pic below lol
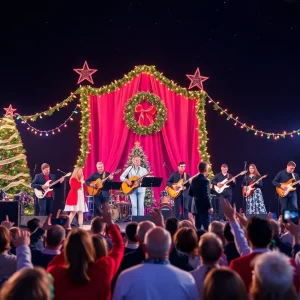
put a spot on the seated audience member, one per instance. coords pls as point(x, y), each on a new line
point(272, 277)
point(224, 284)
point(28, 284)
point(100, 245)
point(186, 240)
point(229, 249)
point(53, 241)
point(156, 278)
point(36, 233)
point(98, 227)
point(210, 251)
point(76, 271)
point(131, 241)
point(9, 263)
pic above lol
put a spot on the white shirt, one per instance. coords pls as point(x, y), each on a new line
point(155, 281)
point(132, 171)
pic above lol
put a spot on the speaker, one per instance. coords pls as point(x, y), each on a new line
point(10, 209)
point(141, 218)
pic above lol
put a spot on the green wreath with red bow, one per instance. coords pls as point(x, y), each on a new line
point(156, 113)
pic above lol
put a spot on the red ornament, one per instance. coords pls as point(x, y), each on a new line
point(149, 112)
point(7, 137)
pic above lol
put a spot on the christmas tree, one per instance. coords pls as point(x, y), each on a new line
point(137, 150)
point(14, 173)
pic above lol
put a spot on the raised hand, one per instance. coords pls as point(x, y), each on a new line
point(157, 217)
point(7, 223)
point(22, 238)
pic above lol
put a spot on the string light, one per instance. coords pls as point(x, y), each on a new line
point(51, 131)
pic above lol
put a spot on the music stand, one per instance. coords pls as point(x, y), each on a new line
point(113, 185)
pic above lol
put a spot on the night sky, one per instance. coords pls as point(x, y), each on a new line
point(248, 49)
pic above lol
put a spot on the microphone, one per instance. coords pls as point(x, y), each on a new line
point(61, 171)
point(34, 169)
point(245, 165)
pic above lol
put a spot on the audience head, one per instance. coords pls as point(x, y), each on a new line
point(14, 231)
point(210, 248)
point(186, 240)
point(200, 232)
point(79, 255)
point(28, 284)
point(33, 224)
point(54, 237)
point(97, 226)
point(217, 228)
point(142, 229)
point(130, 232)
point(272, 277)
point(224, 284)
point(100, 245)
point(172, 225)
point(4, 239)
point(275, 228)
point(186, 223)
point(259, 232)
point(157, 243)
point(227, 233)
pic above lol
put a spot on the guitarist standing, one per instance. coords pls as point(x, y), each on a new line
point(227, 193)
point(137, 197)
point(290, 200)
point(182, 201)
point(103, 196)
point(39, 182)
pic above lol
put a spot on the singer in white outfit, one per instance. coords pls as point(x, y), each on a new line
point(138, 196)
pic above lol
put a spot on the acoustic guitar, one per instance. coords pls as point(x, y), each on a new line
point(175, 193)
point(225, 182)
point(98, 185)
point(290, 187)
point(249, 189)
point(135, 183)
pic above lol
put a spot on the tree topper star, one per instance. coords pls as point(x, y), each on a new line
point(9, 111)
point(85, 73)
point(196, 79)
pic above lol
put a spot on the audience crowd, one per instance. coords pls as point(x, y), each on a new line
point(240, 259)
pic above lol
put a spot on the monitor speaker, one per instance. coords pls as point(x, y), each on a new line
point(10, 209)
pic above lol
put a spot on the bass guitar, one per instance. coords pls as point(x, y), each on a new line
point(135, 183)
point(98, 185)
point(289, 187)
point(40, 194)
point(174, 193)
point(249, 189)
point(225, 182)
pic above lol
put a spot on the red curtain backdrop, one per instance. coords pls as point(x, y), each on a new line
point(111, 140)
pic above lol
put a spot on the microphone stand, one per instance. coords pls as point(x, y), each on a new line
point(65, 185)
point(245, 180)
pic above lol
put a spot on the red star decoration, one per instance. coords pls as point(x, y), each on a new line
point(196, 80)
point(85, 73)
point(9, 111)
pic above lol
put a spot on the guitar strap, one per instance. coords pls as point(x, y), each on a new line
point(294, 176)
point(184, 176)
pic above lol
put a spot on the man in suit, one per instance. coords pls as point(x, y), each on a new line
point(103, 197)
point(227, 193)
point(201, 203)
point(183, 201)
point(39, 182)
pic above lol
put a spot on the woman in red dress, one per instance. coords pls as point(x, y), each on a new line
point(75, 202)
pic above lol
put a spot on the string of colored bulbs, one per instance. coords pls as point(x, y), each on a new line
point(53, 130)
point(242, 125)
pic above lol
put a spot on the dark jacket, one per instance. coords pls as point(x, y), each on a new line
point(40, 259)
point(95, 176)
point(39, 180)
point(219, 178)
point(200, 191)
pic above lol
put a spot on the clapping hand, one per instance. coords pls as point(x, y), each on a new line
point(22, 238)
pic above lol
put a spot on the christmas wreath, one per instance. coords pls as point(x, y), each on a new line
point(156, 113)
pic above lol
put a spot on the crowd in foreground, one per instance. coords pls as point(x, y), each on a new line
point(159, 259)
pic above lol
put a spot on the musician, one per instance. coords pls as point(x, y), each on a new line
point(201, 203)
point(75, 202)
point(103, 197)
point(227, 193)
point(183, 201)
point(138, 195)
point(254, 202)
point(290, 201)
point(39, 182)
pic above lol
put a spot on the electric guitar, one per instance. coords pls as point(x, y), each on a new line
point(94, 191)
point(290, 187)
point(249, 189)
point(225, 182)
point(135, 183)
point(174, 193)
point(41, 194)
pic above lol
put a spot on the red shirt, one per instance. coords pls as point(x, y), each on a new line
point(101, 273)
point(49, 194)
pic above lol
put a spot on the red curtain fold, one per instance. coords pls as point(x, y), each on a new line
point(111, 140)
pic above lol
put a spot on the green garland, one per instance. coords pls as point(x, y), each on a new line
point(160, 118)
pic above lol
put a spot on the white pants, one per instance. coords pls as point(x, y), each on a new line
point(137, 197)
